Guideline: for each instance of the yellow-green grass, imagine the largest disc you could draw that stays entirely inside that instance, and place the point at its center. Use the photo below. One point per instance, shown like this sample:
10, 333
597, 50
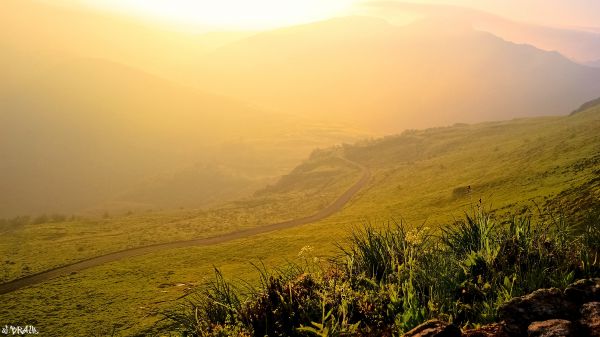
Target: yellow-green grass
127, 293
504, 163
38, 247
420, 176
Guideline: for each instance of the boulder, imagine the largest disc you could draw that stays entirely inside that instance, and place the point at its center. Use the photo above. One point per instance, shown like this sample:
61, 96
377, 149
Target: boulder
583, 291
541, 305
434, 328
552, 328
590, 319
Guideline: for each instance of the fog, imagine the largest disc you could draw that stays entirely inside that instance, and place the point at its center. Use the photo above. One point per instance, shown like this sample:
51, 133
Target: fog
103, 112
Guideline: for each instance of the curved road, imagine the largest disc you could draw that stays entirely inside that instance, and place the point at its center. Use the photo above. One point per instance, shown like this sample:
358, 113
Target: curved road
99, 260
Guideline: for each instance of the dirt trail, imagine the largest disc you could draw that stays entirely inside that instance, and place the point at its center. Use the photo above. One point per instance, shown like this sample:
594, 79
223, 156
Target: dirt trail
336, 206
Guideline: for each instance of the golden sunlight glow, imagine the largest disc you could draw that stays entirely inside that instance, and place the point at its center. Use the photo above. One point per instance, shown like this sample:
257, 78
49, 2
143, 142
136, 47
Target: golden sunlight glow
232, 14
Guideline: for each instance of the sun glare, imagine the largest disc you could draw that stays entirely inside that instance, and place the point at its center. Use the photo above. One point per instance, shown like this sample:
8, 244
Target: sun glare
232, 14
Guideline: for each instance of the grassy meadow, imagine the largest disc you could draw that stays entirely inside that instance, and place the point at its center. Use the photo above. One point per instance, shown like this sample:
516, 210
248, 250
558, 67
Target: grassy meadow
419, 177
311, 188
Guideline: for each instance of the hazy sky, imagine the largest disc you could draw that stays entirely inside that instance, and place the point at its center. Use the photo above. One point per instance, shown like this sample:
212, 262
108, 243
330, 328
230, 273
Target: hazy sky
259, 14
575, 13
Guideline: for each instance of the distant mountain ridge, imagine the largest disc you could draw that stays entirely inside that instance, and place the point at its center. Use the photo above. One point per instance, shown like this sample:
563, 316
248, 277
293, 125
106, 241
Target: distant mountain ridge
581, 44
586, 106
389, 78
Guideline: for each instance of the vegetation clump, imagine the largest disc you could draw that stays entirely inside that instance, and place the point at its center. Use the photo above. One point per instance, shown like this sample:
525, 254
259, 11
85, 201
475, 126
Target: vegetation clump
387, 281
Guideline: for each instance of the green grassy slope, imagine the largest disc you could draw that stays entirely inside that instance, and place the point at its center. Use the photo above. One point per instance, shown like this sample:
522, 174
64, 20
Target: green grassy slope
506, 163
418, 176
311, 187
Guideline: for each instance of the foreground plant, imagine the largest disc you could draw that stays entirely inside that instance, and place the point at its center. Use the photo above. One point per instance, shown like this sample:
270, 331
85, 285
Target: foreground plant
388, 281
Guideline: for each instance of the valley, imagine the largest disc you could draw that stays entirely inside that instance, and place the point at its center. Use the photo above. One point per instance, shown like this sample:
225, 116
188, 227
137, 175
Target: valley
296, 168
417, 177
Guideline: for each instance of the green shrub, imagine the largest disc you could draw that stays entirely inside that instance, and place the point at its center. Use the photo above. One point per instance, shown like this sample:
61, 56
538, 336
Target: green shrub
388, 281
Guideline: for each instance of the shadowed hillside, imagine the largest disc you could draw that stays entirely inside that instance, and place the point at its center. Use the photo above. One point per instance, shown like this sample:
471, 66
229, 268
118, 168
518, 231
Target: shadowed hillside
432, 72
88, 133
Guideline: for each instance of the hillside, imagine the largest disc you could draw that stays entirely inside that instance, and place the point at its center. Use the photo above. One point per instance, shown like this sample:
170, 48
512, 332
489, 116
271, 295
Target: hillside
351, 70
576, 43
467, 271
587, 106
298, 168
81, 133
509, 164
87, 126
434, 72
420, 177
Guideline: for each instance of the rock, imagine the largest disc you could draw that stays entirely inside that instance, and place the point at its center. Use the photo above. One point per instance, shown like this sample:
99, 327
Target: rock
493, 330
541, 305
434, 328
574, 312
583, 291
590, 319
552, 328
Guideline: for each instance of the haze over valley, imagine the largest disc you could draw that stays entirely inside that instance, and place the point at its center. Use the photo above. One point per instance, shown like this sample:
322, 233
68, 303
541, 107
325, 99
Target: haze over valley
293, 144
115, 109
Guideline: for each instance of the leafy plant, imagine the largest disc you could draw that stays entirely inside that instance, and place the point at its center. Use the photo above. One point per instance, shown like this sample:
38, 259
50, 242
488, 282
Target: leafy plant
388, 281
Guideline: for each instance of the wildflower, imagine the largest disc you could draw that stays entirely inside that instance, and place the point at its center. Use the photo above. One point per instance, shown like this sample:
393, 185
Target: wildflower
306, 250
416, 236
413, 237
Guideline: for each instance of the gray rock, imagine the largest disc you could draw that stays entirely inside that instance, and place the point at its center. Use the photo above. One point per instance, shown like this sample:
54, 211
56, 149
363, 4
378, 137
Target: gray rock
583, 291
541, 305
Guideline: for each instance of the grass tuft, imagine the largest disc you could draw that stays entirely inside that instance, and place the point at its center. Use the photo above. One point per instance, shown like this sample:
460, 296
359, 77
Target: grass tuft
388, 281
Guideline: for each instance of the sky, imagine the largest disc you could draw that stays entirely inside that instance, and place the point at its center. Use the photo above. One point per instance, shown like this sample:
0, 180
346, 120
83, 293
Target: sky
567, 13
225, 14
265, 14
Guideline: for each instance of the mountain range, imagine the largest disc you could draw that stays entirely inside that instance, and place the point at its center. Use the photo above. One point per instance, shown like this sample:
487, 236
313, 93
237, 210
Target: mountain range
389, 78
104, 117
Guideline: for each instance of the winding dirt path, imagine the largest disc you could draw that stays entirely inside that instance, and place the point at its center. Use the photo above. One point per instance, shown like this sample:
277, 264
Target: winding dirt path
336, 206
